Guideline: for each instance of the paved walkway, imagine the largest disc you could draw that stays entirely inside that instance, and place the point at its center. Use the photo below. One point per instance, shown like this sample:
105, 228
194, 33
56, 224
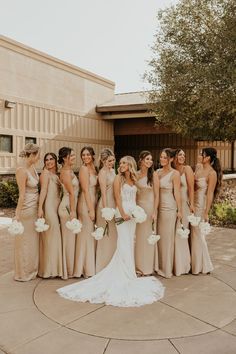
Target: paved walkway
196, 316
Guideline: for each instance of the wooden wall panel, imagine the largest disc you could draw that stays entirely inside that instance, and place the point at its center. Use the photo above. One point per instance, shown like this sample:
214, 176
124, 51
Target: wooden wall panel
52, 129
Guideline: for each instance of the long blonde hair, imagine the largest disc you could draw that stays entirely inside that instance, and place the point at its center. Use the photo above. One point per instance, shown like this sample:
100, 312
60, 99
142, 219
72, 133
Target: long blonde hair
132, 169
104, 155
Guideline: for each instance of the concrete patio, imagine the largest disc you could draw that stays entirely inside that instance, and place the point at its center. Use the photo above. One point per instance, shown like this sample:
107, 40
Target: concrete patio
196, 316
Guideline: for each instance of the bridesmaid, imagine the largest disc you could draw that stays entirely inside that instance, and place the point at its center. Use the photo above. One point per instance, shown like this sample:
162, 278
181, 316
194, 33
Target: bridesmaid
182, 252
148, 199
50, 255
169, 210
67, 208
208, 178
85, 242
106, 246
27, 244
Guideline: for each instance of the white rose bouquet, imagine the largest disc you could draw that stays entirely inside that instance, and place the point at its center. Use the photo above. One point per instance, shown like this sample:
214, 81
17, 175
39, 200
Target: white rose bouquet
153, 238
98, 233
139, 214
194, 220
40, 225
16, 228
183, 232
73, 225
205, 228
108, 213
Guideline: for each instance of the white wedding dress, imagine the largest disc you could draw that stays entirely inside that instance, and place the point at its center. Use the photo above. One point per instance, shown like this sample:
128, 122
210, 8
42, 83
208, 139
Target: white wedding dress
117, 284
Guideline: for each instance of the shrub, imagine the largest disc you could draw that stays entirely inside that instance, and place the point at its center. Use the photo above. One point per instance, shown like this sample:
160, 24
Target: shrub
223, 214
8, 194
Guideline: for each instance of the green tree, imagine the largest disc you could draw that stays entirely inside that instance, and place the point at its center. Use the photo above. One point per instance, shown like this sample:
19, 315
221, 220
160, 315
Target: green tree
193, 71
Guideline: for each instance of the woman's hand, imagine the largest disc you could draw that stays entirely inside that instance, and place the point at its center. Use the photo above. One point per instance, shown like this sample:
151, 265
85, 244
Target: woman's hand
205, 216
154, 216
179, 215
40, 213
192, 208
72, 215
16, 217
126, 217
92, 215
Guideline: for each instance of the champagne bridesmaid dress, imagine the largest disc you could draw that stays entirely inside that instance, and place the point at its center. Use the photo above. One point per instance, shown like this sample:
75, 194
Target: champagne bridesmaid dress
182, 252
201, 262
166, 226
27, 244
85, 242
50, 261
68, 237
144, 252
107, 245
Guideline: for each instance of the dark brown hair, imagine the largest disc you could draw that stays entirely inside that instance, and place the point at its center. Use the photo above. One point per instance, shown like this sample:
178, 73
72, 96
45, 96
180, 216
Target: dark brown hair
63, 153
54, 156
90, 150
150, 170
215, 163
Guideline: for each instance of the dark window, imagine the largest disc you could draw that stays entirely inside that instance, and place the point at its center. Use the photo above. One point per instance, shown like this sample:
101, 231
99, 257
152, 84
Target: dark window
6, 143
29, 139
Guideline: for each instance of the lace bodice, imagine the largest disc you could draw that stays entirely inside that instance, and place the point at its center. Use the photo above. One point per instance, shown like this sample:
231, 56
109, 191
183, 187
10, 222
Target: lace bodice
128, 194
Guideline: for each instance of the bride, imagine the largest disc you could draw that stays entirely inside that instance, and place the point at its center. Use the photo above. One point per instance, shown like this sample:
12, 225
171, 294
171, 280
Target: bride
117, 284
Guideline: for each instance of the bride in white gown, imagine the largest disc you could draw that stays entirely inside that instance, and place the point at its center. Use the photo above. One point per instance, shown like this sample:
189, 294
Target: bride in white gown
118, 284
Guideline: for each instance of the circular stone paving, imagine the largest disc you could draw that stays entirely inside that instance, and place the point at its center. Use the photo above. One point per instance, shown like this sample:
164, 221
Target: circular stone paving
192, 305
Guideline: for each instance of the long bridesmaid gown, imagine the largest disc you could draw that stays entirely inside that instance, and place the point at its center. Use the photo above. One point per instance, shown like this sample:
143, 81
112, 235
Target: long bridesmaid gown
144, 252
27, 244
182, 252
107, 245
50, 260
201, 262
68, 237
166, 227
85, 243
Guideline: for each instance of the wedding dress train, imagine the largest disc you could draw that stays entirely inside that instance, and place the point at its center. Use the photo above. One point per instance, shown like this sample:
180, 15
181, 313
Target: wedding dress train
117, 284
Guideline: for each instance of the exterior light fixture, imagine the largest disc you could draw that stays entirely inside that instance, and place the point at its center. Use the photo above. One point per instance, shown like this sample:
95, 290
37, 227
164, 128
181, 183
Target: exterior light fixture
10, 104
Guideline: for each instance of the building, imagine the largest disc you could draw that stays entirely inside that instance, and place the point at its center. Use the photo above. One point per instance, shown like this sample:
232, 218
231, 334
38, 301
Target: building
50, 102
54, 104
135, 130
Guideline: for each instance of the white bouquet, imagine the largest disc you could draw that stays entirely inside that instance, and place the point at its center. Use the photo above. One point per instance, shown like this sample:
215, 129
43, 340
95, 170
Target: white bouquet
16, 228
98, 233
74, 226
194, 220
139, 214
183, 232
108, 213
205, 228
153, 238
40, 225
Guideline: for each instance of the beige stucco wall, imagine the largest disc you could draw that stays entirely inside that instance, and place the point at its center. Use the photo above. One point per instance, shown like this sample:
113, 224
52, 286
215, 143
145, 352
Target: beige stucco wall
55, 102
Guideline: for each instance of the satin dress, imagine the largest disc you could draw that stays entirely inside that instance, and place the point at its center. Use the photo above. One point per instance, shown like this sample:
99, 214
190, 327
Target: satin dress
182, 252
84, 263
68, 237
144, 252
50, 260
107, 245
27, 244
201, 261
166, 223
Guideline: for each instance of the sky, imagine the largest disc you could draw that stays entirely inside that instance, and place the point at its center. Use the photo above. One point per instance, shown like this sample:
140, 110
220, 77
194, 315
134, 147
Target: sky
111, 38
